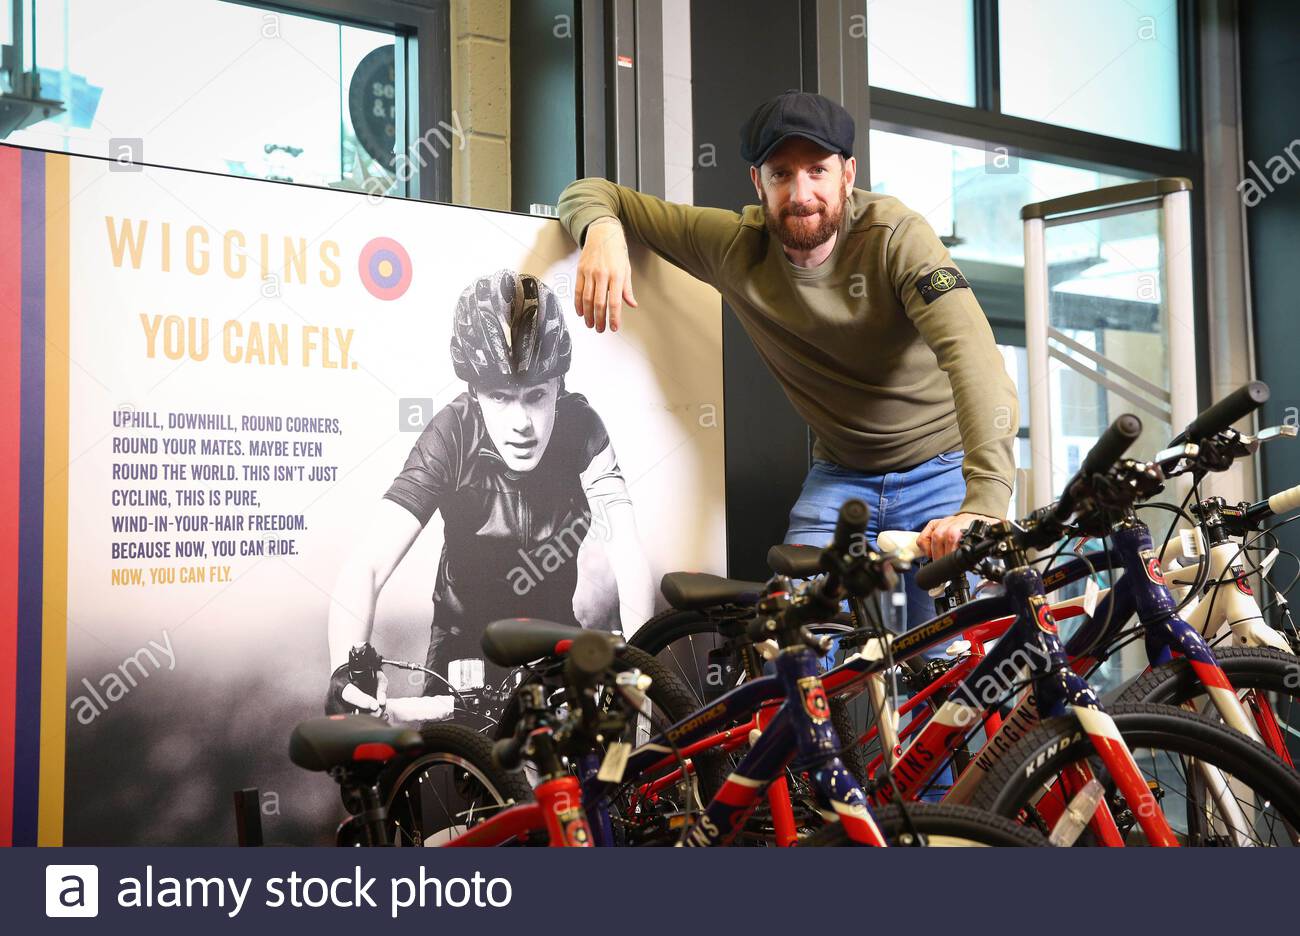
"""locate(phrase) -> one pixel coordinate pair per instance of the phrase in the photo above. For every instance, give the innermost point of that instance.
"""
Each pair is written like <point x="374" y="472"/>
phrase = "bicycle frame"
<point x="1228" y="602"/>
<point x="1141" y="589"/>
<point x="797" y="732"/>
<point x="793" y="735"/>
<point x="557" y="811"/>
<point x="792" y="709"/>
<point x="1031" y="645"/>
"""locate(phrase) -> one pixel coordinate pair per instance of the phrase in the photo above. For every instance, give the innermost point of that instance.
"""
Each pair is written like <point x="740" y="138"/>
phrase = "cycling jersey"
<point x="511" y="539"/>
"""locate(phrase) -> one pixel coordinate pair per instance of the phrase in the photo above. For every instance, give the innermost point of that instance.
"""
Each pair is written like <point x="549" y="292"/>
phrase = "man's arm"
<point x="614" y="522"/>
<point x="596" y="214"/>
<point x="944" y="309"/>
<point x="352" y="603"/>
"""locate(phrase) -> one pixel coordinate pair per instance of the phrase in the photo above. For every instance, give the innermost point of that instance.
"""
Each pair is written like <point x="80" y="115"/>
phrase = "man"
<point x="521" y="470"/>
<point x="858" y="311"/>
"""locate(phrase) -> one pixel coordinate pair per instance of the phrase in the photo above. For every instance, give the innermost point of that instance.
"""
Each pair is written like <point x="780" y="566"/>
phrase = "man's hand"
<point x="604" y="275"/>
<point x="940" y="536"/>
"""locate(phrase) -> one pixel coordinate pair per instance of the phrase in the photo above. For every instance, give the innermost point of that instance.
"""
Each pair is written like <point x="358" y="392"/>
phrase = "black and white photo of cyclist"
<point x="537" y="517"/>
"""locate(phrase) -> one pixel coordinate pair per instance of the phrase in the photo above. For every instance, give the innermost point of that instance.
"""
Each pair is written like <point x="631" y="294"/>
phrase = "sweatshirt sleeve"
<point x="694" y="239"/>
<point x="944" y="310"/>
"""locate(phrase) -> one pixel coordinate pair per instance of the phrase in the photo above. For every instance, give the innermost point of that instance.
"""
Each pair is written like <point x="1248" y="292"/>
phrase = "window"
<point x="972" y="198"/>
<point x="218" y="86"/>
<point x="923" y="47"/>
<point x="285" y="92"/>
<point x="1107" y="66"/>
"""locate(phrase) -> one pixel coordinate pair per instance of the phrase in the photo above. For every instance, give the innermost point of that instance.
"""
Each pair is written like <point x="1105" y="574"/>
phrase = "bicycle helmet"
<point x="509" y="330"/>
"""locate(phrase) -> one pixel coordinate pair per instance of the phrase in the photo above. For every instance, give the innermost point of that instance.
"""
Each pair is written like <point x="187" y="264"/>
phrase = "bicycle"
<point x="569" y="811"/>
<point x="419" y="792"/>
<point x="945" y="732"/>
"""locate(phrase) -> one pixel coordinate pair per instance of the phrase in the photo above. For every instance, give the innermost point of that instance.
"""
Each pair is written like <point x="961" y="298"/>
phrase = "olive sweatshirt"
<point x="882" y="349"/>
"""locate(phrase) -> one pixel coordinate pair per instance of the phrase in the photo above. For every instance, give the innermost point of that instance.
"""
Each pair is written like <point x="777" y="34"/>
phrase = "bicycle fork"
<point x="1061" y="690"/>
<point x="799" y="735"/>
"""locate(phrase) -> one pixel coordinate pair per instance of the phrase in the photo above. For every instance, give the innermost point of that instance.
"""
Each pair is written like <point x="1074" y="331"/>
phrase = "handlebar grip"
<point x="1241" y="402"/>
<point x="1285" y="501"/>
<point x="508" y="753"/>
<point x="852" y="522"/>
<point x="939" y="571"/>
<point x="590" y="656"/>
<point x="1113" y="443"/>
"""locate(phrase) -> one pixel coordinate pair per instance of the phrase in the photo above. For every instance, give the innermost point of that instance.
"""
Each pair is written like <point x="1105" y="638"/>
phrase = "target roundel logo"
<point x="385" y="268"/>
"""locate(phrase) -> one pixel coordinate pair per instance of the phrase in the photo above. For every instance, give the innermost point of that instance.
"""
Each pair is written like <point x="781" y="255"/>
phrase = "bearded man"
<point x="857" y="309"/>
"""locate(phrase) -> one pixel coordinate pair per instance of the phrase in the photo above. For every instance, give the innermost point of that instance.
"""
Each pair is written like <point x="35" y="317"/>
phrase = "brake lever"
<point x="1284" y="431"/>
<point x="1177" y="459"/>
<point x="822" y="645"/>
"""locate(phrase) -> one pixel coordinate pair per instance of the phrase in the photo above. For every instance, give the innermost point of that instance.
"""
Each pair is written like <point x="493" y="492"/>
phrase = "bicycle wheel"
<point x="1215" y="786"/>
<point x="1267" y="680"/>
<point x="692" y="646"/>
<point x="452" y="786"/>
<point x="940" y="827"/>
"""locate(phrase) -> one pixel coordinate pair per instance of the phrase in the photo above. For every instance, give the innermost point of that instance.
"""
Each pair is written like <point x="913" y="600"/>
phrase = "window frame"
<point x="422" y="35"/>
<point x="984" y="125"/>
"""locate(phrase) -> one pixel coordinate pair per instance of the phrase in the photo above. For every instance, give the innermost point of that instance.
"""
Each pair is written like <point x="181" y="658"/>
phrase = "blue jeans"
<point x="899" y="500"/>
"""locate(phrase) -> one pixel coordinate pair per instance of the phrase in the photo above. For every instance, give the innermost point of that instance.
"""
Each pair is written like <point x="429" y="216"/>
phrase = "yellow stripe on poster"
<point x="54" y="623"/>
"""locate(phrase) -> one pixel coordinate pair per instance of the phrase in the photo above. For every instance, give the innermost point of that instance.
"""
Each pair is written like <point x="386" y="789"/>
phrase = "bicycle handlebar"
<point x="938" y="571"/>
<point x="1114" y="442"/>
<point x="590" y="656"/>
<point x="587" y="663"/>
<point x="1241" y="402"/>
<point x="1285" y="501"/>
<point x="851" y="523"/>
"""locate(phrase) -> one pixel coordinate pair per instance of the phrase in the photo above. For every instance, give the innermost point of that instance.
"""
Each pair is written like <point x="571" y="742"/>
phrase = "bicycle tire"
<point x="408" y="787"/>
<point x="658" y="635"/>
<point x="1011" y="787"/>
<point x="941" y="825"/>
<point x="1247" y="668"/>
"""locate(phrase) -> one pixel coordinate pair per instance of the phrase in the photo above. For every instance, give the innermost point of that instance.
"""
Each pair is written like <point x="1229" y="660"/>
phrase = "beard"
<point x="799" y="234"/>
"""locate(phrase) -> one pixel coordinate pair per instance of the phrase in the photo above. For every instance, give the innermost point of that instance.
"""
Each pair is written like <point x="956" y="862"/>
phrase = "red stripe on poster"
<point x="10" y="404"/>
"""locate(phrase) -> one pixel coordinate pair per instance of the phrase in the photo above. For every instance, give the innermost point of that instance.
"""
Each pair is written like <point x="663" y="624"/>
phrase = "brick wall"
<point x="480" y="98"/>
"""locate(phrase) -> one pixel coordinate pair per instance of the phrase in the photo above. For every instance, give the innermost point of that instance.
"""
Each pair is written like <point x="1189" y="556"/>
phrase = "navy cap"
<point x="796" y="113"/>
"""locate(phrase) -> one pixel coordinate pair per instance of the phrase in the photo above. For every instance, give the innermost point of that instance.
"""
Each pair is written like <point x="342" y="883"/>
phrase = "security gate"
<point x="1108" y="322"/>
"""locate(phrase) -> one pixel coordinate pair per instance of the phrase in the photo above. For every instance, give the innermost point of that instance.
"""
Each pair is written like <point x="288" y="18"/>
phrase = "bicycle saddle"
<point x="795" y="561"/>
<point x="687" y="591"/>
<point x="516" y="641"/>
<point x="338" y="740"/>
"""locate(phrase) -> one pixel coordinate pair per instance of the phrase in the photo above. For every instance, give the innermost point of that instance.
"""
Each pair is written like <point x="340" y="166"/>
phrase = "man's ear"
<point x="756" y="177"/>
<point x="850" y="171"/>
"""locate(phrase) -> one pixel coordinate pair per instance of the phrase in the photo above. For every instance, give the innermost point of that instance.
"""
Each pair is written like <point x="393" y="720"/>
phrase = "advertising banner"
<point x="249" y="426"/>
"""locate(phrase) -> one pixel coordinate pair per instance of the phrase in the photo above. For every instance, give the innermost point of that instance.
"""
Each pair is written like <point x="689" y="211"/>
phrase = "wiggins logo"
<point x="1043" y="615"/>
<point x="385" y="268"/>
<point x="1152" y="566"/>
<point x="814" y="699"/>
<point x="143" y="244"/>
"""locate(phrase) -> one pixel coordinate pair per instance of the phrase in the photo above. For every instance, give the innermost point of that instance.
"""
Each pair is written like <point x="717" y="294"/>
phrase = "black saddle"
<point x="795" y="561"/>
<point x="516" y="641"/>
<point x="342" y="740"/>
<point x="687" y="591"/>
